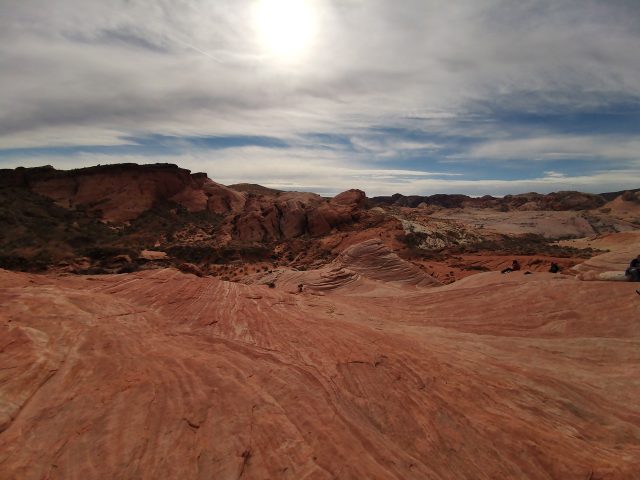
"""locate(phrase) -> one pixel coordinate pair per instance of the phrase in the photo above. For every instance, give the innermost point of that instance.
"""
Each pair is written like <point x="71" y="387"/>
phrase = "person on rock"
<point x="555" y="268"/>
<point x="633" y="272"/>
<point x="515" y="266"/>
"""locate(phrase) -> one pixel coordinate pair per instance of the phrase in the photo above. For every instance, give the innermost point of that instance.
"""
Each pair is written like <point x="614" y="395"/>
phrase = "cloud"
<point x="552" y="174"/>
<point x="577" y="148"/>
<point x="331" y="173"/>
<point x="410" y="86"/>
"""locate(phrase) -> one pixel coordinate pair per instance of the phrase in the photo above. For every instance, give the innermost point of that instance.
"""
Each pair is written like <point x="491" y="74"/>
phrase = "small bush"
<point x="129" y="268"/>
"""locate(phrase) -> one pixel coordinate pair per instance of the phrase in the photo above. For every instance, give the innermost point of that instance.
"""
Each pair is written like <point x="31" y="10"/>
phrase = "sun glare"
<point x="285" y="27"/>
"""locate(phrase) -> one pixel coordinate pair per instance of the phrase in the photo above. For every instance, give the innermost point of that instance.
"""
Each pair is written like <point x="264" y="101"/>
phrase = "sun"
<point x="285" y="27"/>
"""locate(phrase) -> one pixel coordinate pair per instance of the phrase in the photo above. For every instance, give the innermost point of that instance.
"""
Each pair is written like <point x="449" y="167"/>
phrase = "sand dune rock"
<point x="362" y="265"/>
<point x="158" y="374"/>
<point x="374" y="260"/>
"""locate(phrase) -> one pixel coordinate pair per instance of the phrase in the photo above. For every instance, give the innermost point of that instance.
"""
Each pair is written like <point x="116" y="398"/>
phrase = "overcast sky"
<point x="409" y="96"/>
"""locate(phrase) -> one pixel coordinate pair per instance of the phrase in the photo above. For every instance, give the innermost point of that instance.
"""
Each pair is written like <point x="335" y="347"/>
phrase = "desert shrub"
<point x="479" y="268"/>
<point x="93" y="271"/>
<point x="194" y="253"/>
<point x="129" y="268"/>
<point x="13" y="262"/>
<point x="106" y="252"/>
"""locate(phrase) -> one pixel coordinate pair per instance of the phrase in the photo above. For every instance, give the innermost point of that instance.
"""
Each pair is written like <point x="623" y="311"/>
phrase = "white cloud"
<point x="383" y="146"/>
<point x="560" y="147"/>
<point x="90" y="72"/>
<point x="134" y="65"/>
<point x="552" y="174"/>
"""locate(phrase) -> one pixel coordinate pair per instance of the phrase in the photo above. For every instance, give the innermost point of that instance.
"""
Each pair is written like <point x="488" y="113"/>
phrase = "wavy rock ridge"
<point x="159" y="374"/>
<point x="361" y="268"/>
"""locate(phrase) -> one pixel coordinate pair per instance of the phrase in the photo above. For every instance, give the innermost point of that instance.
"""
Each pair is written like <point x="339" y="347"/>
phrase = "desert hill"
<point x="557" y="201"/>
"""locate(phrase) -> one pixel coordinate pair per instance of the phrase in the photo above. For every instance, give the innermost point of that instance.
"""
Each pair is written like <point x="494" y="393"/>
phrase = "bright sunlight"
<point x="286" y="27"/>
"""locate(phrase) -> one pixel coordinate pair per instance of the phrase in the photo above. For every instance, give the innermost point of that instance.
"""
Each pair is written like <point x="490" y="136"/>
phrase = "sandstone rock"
<point x="120" y="259"/>
<point x="163" y="375"/>
<point x="119" y="193"/>
<point x="360" y="267"/>
<point x="351" y="197"/>
<point x="292" y="214"/>
<point x="293" y="218"/>
<point x="153" y="255"/>
<point x="221" y="199"/>
<point x="191" y="268"/>
<point x="318" y="223"/>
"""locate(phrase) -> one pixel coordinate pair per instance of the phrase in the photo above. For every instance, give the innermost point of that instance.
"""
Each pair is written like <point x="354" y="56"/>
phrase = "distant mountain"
<point x="438" y="200"/>
<point x="613" y="195"/>
<point x="557" y="201"/>
<point x="255" y="189"/>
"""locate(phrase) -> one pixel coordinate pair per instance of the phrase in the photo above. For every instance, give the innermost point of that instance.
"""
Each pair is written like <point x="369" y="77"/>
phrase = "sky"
<point x="411" y="96"/>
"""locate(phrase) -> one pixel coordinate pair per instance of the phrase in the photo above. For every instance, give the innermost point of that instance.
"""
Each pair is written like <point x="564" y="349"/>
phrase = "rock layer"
<point x="160" y="374"/>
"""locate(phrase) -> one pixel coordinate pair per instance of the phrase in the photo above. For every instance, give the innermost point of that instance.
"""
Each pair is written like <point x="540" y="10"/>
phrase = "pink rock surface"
<point x="159" y="374"/>
<point x="367" y="268"/>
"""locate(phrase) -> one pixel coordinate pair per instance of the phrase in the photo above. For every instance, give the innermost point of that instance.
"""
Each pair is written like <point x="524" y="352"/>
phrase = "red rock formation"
<point x="201" y="193"/>
<point x="293" y="214"/>
<point x="158" y="374"/>
<point x="119" y="193"/>
<point x="351" y="197"/>
<point x="359" y="267"/>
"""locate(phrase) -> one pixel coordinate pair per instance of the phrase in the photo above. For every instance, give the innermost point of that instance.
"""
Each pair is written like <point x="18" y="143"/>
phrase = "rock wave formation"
<point x="360" y="268"/>
<point x="159" y="374"/>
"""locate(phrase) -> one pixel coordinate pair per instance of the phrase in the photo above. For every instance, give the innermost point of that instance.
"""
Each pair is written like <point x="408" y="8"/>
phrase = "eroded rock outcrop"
<point x="293" y="214"/>
<point x="119" y="193"/>
<point x="360" y="267"/>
